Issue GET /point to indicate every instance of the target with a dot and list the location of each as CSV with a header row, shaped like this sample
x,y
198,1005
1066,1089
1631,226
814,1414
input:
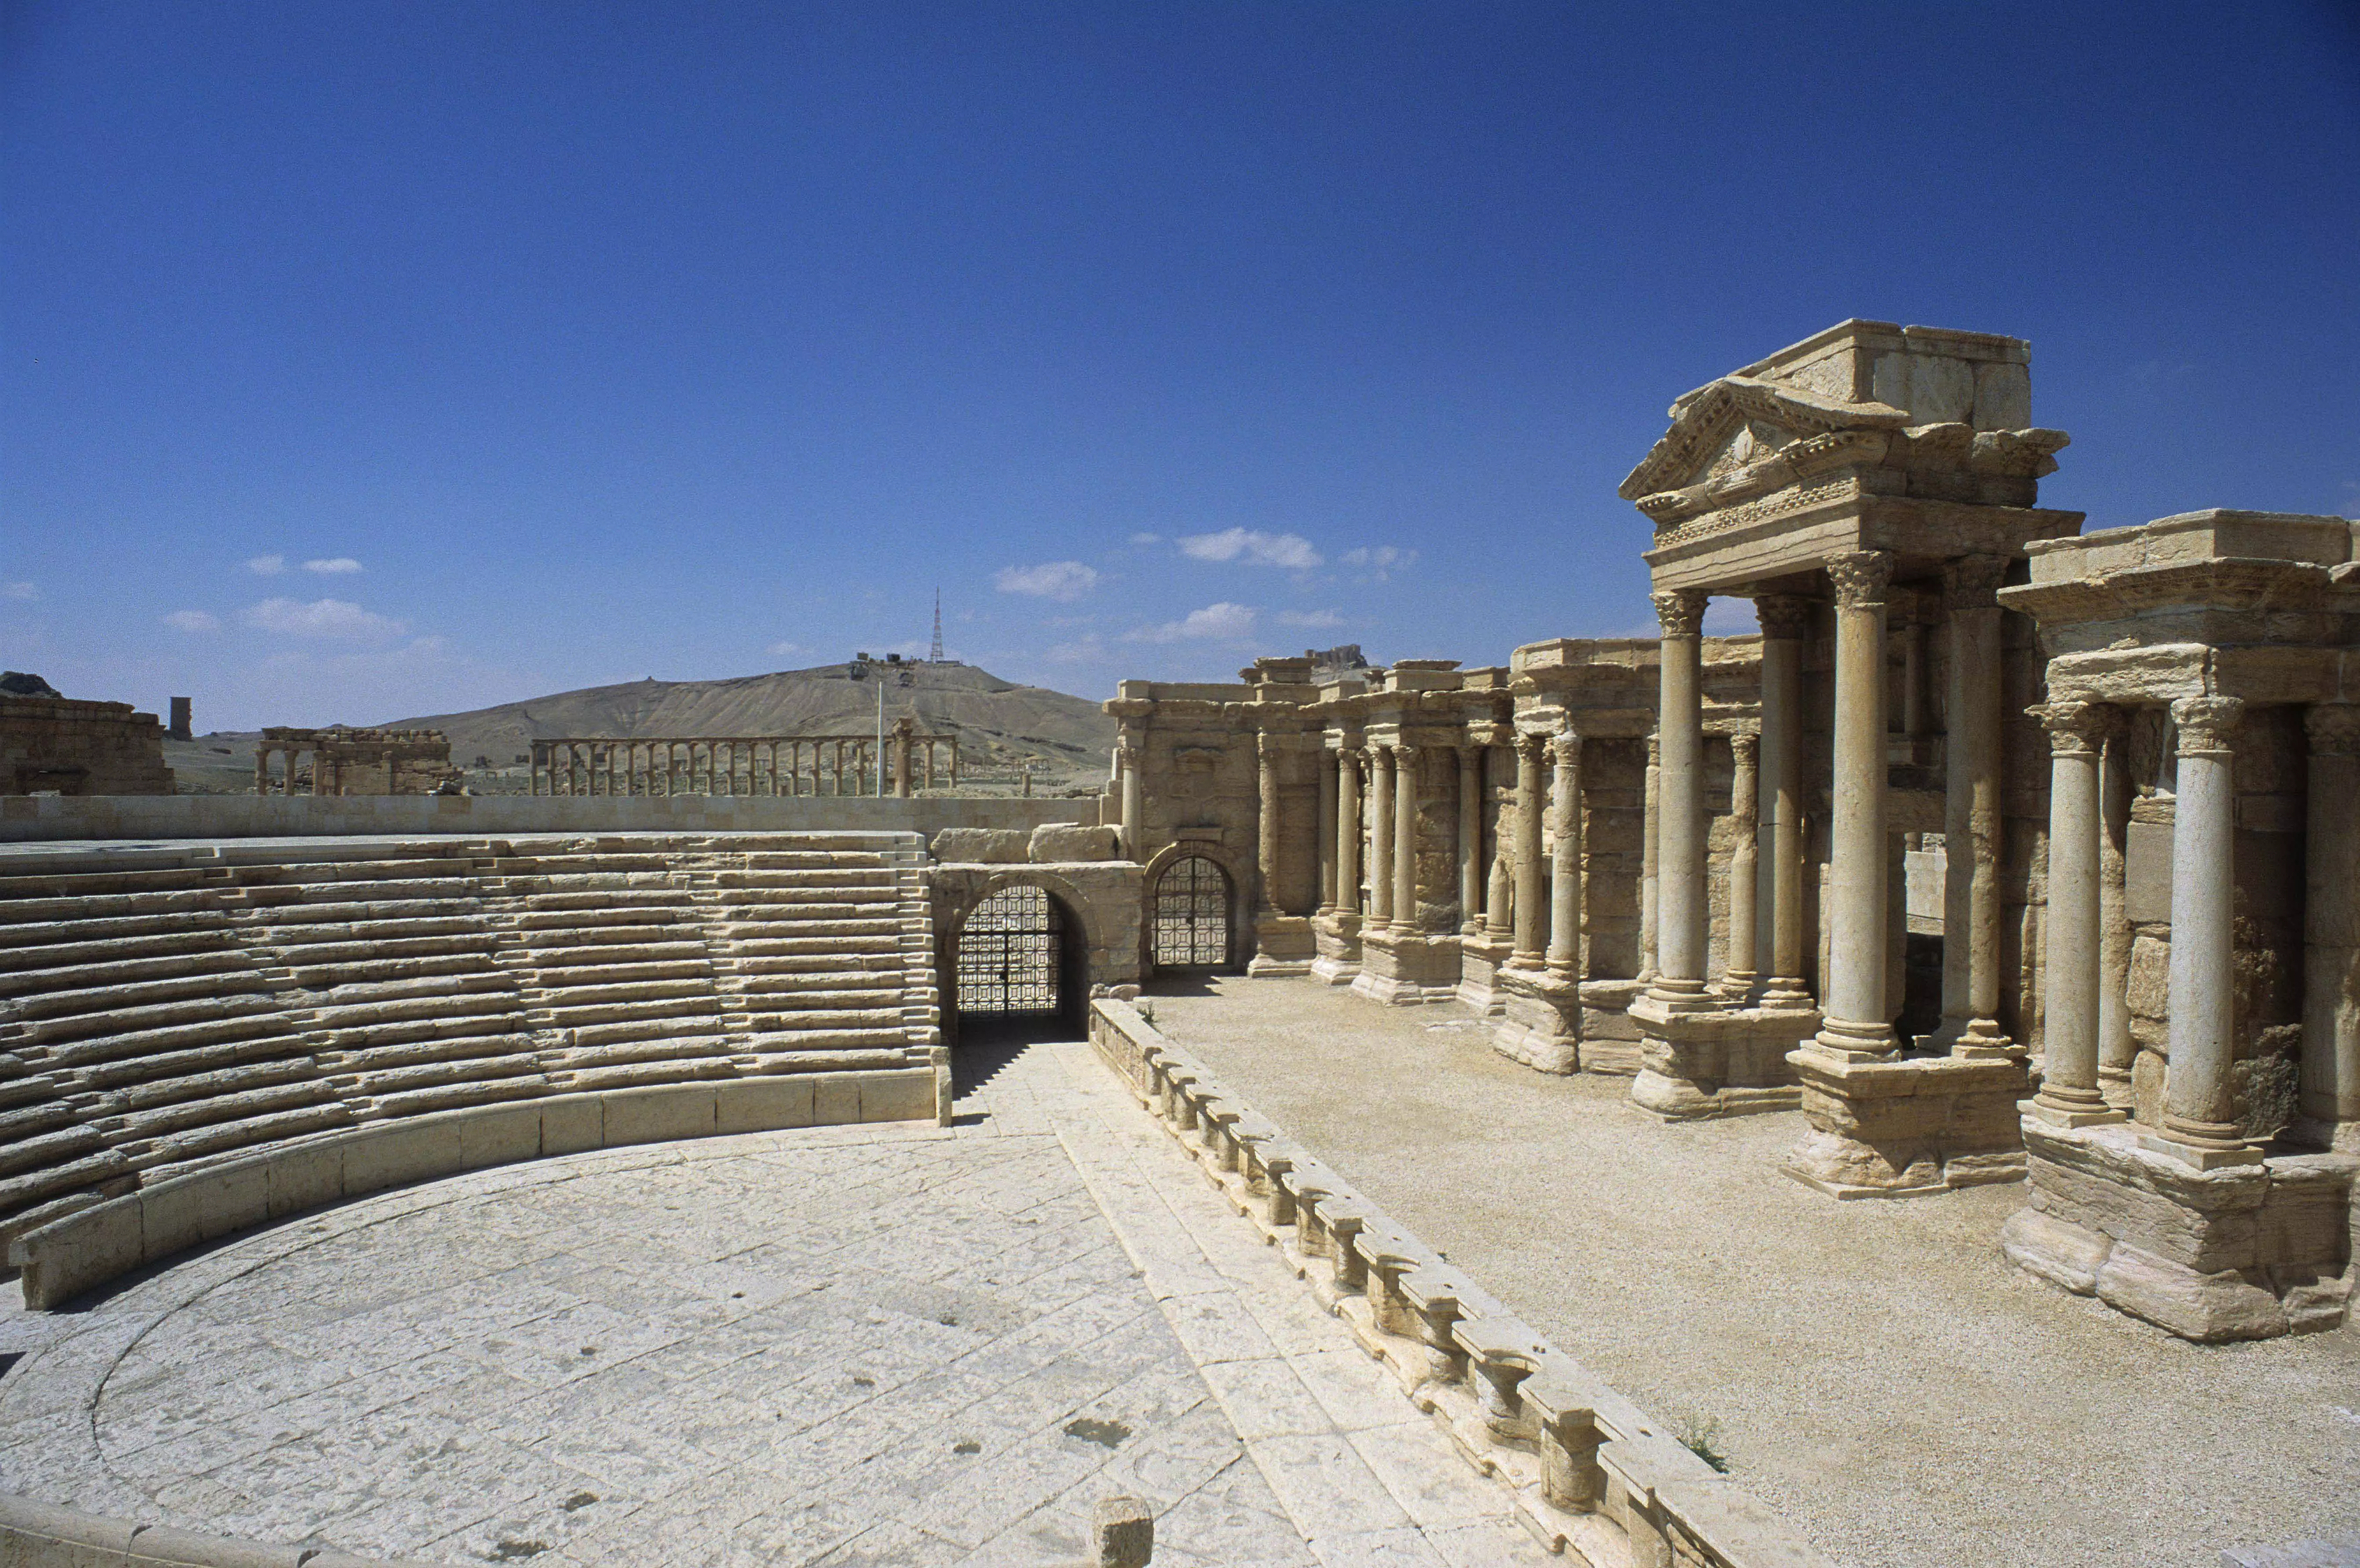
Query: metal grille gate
x,y
1192,915
1009,951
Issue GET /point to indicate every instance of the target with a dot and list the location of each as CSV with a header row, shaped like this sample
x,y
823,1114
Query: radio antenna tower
x,y
936,656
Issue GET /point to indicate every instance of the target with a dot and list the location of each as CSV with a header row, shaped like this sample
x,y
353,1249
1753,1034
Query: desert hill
x,y
1000,724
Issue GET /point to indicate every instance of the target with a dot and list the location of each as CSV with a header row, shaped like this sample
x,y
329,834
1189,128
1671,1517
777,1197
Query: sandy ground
x,y
1875,1370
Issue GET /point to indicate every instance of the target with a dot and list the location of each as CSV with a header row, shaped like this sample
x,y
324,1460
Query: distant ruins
x,y
52,745
353,762
748,764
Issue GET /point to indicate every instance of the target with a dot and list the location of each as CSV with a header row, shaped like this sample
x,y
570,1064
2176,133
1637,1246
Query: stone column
x,y
1738,976
1134,798
1347,830
2200,1117
1529,937
1680,906
1405,762
2117,1051
1649,871
1330,762
1784,618
1912,606
904,785
262,769
1381,838
1470,840
2069,1089
1856,1025
1266,824
1971,818
2330,927
1565,859
1499,898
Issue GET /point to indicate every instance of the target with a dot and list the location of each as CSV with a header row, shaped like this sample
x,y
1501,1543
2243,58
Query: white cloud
x,y
266,565
1309,618
1061,580
21,590
193,621
322,619
1223,622
333,564
1380,556
1252,547
1144,539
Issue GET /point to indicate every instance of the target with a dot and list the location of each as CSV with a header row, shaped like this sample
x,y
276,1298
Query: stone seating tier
x,y
157,1020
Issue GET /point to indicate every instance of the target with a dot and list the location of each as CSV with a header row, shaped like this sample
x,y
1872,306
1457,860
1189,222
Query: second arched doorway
x,y
1188,916
1017,968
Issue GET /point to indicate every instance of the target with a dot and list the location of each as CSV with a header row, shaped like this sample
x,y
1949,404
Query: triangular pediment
x,y
1738,420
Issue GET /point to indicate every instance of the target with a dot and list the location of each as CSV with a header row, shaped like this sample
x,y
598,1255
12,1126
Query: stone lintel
x,y
1737,551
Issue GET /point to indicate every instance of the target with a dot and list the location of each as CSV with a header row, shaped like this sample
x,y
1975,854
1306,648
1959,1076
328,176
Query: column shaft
x,y
1266,823
1738,976
1405,800
2199,1119
1970,818
2331,926
1650,877
1784,620
1499,898
1470,840
1856,1022
1565,859
1330,764
1381,838
2069,1089
2117,1051
1680,907
1529,912
1134,797
1347,830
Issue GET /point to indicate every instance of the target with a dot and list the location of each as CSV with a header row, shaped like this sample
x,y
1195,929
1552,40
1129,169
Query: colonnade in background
x,y
811,765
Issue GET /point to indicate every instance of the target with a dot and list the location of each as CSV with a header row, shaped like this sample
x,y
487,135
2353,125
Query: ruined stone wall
x,y
54,743
1613,845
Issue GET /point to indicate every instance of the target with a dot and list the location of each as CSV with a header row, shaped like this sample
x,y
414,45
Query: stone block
x,y
985,846
658,1114
2149,987
2056,1250
835,1099
42,1535
307,1176
571,1124
904,1096
165,1546
1122,1532
762,1105
2146,873
2205,1307
62,1259
2003,396
1053,842
397,1153
187,1210
498,1134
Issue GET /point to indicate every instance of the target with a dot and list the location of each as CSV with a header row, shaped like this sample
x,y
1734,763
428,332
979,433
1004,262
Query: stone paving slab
x,y
1875,1372
887,1343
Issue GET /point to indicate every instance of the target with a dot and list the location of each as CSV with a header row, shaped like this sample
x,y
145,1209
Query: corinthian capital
x,y
1531,748
1972,582
1565,749
1783,615
1680,611
1859,577
2075,727
1745,748
2334,727
2205,724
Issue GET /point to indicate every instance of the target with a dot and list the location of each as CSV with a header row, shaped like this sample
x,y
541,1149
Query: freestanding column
x,y
1329,762
1565,859
2331,927
1855,1024
1266,823
1405,762
902,783
1527,953
2200,1117
2069,1089
2117,1051
1470,840
1679,805
1499,898
1738,976
1347,830
1133,797
1784,618
1971,818
1650,878
1381,838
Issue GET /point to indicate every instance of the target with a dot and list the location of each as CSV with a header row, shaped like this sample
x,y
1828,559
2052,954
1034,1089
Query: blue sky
x,y
363,360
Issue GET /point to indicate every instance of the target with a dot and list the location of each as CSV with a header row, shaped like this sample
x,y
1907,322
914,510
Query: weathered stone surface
x,y
2207,1307
2058,1250
1071,841
986,847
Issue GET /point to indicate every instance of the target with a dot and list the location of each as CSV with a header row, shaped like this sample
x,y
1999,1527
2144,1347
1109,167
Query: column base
x,y
1337,939
2199,1156
1540,1021
1857,1042
1609,1039
1733,1062
1282,945
1481,959
2071,1116
1405,969
1974,1040
1906,1126
2248,1251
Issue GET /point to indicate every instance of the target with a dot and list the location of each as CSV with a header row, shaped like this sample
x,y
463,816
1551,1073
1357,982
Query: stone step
x,y
47,1147
592,921
384,1011
765,1021
590,1078
858,992
292,917
441,1047
485,983
330,934
574,899
772,955
40,1184
128,1100
141,1019
649,990
581,1017
458,1097
831,1039
389,971
270,899
760,942
673,960
72,978
306,952
182,924
162,1158
177,942
378,1082
141,1125
99,1077
623,1031
376,1034
229,1018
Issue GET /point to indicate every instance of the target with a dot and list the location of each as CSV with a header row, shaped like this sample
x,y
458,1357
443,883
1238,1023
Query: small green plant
x,y
1700,1435
1147,1011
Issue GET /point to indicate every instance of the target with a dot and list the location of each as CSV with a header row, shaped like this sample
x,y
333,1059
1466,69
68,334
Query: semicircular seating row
x,y
155,1018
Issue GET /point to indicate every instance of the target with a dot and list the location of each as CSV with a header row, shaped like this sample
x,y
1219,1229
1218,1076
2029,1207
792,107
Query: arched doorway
x,y
1190,922
1018,970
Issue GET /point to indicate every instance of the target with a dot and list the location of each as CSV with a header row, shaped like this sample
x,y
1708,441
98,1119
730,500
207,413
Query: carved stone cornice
x,y
1784,616
2205,724
2077,728
1861,578
2333,728
1681,612
1972,582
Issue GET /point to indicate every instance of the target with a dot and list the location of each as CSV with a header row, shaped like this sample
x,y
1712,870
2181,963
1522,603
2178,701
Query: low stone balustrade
x,y
39,1535
1593,1476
